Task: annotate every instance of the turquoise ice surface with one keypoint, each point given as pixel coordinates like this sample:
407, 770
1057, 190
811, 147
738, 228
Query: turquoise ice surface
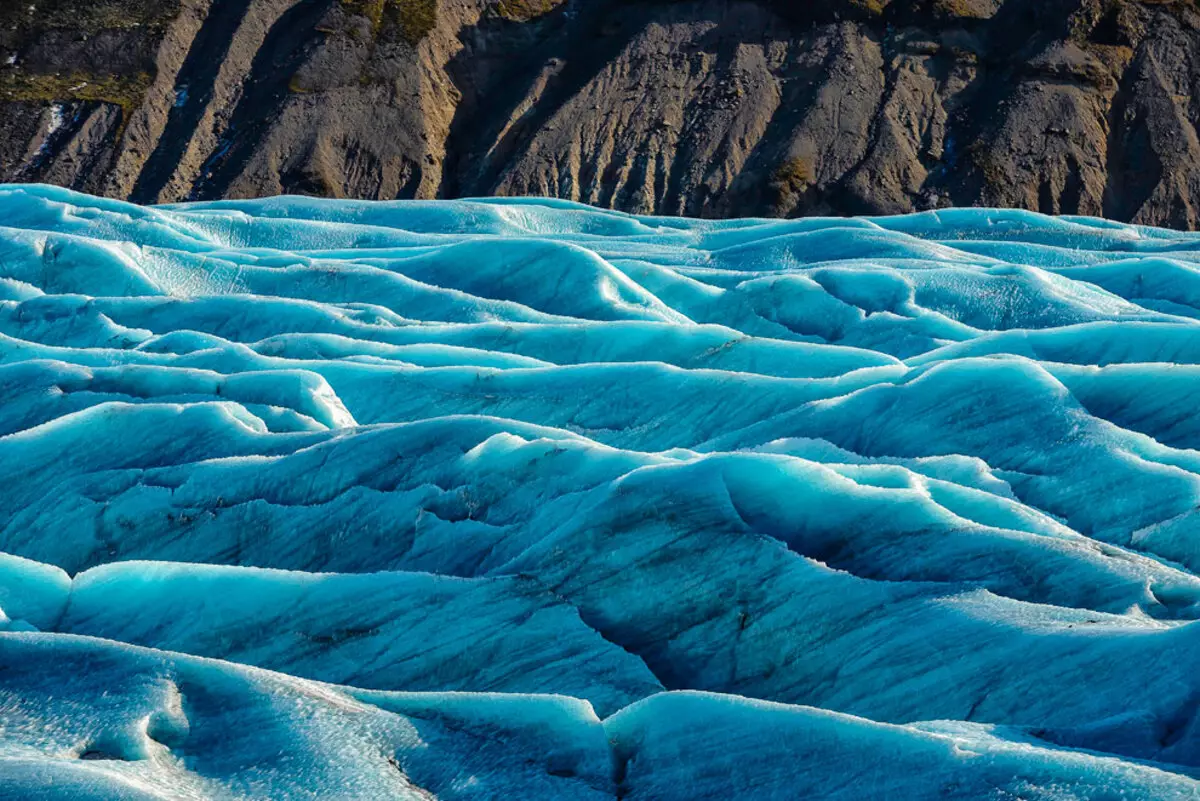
521, 499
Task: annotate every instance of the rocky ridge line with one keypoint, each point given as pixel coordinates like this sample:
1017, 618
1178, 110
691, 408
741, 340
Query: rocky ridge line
709, 108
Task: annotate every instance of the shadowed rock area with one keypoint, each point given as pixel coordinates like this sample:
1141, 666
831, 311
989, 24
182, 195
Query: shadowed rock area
709, 108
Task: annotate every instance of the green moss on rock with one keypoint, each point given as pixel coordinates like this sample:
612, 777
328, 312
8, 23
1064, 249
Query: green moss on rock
525, 10
87, 16
126, 91
793, 176
414, 18
411, 19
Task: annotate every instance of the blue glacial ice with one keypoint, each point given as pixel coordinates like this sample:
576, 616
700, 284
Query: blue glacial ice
522, 499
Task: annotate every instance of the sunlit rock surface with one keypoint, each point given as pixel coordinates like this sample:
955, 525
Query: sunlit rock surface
521, 499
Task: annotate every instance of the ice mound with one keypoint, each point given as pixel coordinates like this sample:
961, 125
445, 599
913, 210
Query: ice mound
523, 499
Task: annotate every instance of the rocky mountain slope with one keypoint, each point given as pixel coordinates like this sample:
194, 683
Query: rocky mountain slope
697, 107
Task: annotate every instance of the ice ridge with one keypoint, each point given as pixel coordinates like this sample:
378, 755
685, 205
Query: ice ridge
524, 499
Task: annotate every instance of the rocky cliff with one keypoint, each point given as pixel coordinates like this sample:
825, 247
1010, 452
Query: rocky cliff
697, 107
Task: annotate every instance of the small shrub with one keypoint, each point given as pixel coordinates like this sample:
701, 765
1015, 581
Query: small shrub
958, 9
415, 18
874, 8
793, 176
525, 10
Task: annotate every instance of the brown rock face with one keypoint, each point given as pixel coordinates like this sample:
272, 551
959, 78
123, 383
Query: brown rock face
697, 107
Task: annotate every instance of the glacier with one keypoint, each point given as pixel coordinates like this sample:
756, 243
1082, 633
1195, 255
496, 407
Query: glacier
518, 498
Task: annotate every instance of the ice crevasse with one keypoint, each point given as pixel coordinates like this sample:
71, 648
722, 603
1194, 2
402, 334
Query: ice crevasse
524, 499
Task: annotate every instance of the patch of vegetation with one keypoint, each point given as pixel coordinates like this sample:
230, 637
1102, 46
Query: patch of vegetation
959, 9
413, 19
126, 91
296, 87
874, 8
793, 176
525, 10
87, 16
790, 181
371, 9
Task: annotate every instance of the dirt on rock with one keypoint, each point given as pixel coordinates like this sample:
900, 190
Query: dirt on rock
701, 107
